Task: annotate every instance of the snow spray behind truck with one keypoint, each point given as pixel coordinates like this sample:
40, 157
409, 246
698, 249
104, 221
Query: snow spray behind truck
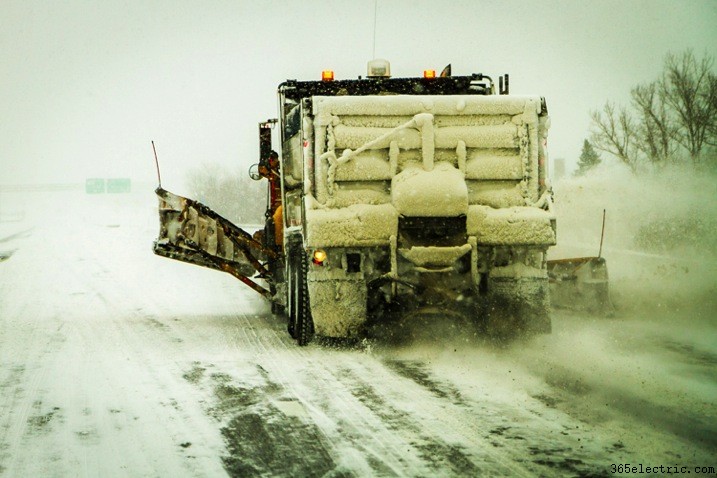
389, 193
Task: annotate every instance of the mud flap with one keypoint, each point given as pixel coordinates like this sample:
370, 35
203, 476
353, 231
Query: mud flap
191, 232
517, 306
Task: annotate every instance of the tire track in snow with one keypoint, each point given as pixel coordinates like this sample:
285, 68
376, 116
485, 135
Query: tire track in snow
506, 431
273, 352
450, 429
137, 345
307, 391
353, 422
26, 343
438, 455
117, 407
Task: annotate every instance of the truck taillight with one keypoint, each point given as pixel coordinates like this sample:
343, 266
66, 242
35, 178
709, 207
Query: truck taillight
429, 73
327, 75
319, 257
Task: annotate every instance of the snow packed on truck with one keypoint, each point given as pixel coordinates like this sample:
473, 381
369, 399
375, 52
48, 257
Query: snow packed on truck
389, 194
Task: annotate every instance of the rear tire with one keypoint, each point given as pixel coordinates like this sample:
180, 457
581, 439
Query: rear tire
301, 325
291, 277
304, 323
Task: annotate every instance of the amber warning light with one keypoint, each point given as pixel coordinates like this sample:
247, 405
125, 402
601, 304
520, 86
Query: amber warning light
429, 73
327, 75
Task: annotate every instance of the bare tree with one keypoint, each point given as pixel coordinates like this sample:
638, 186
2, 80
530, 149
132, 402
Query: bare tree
655, 130
675, 114
688, 88
711, 98
614, 133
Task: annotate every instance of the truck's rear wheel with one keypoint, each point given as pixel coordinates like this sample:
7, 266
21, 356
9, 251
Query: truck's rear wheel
304, 323
291, 277
301, 325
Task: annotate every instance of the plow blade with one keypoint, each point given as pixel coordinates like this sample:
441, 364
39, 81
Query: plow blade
191, 232
580, 284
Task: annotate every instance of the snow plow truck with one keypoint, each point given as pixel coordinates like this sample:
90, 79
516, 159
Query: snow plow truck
389, 194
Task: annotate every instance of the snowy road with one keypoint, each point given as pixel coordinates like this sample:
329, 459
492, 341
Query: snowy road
115, 362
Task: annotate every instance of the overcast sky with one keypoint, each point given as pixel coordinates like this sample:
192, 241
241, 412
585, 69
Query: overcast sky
86, 85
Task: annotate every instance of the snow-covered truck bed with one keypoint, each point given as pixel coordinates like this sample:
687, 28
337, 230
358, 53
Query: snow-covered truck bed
395, 194
442, 195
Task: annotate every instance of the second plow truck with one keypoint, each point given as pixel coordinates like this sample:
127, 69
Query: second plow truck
389, 194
